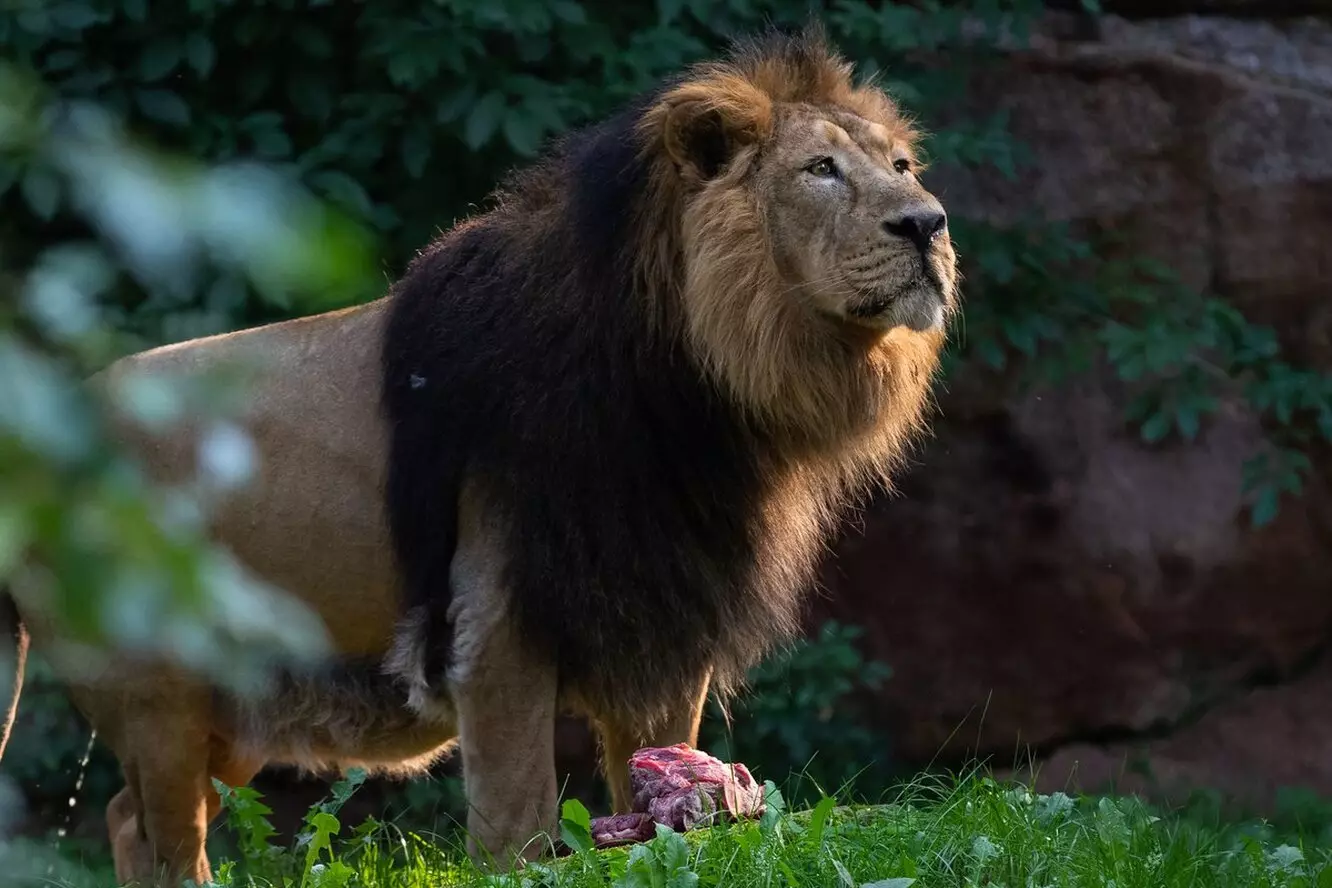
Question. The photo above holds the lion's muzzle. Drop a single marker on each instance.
(922, 225)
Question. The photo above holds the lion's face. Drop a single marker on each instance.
(853, 231)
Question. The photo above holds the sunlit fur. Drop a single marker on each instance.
(667, 420)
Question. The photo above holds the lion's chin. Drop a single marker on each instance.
(919, 306)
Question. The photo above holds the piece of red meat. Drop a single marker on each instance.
(679, 787)
(622, 829)
(682, 787)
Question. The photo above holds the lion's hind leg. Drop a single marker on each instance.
(130, 851)
(134, 853)
(168, 750)
(620, 738)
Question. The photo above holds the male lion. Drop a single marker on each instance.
(582, 457)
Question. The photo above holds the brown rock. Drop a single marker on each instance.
(1247, 748)
(1045, 578)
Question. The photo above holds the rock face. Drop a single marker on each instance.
(1045, 579)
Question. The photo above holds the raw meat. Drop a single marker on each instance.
(679, 787)
(683, 787)
(622, 829)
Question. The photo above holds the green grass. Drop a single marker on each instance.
(963, 832)
(969, 831)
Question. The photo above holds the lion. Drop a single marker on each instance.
(583, 456)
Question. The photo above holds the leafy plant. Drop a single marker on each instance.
(1046, 300)
(661, 863)
(311, 863)
(247, 817)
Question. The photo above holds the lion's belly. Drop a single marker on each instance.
(349, 716)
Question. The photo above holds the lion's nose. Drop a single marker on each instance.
(919, 226)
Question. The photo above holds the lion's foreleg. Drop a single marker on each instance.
(506, 703)
(621, 738)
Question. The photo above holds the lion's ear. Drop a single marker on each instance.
(704, 124)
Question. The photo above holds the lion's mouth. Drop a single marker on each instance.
(876, 303)
(872, 307)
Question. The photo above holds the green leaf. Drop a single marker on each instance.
(661, 863)
(640, 869)
(313, 40)
(818, 818)
(9, 174)
(416, 149)
(1324, 413)
(1022, 336)
(668, 11)
(902, 882)
(992, 352)
(848, 881)
(41, 189)
(323, 826)
(674, 857)
(135, 10)
(774, 808)
(75, 15)
(62, 60)
(200, 53)
(343, 189)
(451, 107)
(1156, 428)
(574, 811)
(576, 827)
(272, 143)
(522, 132)
(309, 92)
(569, 11)
(1188, 421)
(255, 79)
(163, 105)
(1111, 825)
(484, 119)
(1265, 508)
(158, 59)
(344, 789)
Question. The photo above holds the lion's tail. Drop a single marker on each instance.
(11, 625)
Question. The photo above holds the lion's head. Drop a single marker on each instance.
(818, 272)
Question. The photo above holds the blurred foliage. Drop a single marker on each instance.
(120, 560)
(81, 528)
(401, 114)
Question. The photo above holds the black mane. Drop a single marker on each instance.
(518, 353)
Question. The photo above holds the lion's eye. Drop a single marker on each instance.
(824, 167)
(902, 165)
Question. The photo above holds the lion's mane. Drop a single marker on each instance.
(662, 433)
